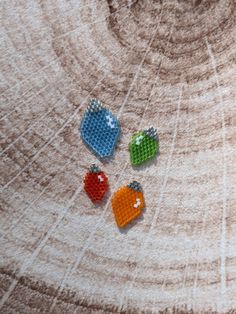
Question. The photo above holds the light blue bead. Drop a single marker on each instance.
(100, 131)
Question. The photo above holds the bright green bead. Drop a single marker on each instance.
(142, 148)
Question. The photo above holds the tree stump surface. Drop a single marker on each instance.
(167, 64)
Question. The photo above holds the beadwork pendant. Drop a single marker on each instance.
(99, 129)
(95, 184)
(127, 203)
(144, 145)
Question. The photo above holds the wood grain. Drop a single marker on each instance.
(167, 64)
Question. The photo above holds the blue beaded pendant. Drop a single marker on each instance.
(99, 129)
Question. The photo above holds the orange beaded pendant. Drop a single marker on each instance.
(95, 184)
(127, 203)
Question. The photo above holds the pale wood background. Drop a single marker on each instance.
(167, 64)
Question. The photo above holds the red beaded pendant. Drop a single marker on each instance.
(95, 184)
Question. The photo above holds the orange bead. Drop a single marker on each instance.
(127, 204)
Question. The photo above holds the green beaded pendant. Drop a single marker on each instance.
(144, 145)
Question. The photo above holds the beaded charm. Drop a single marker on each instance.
(127, 203)
(143, 146)
(99, 129)
(95, 184)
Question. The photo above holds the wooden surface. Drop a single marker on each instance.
(167, 64)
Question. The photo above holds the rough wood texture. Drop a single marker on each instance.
(167, 64)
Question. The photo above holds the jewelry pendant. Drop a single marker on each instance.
(127, 203)
(95, 184)
(100, 129)
(144, 145)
